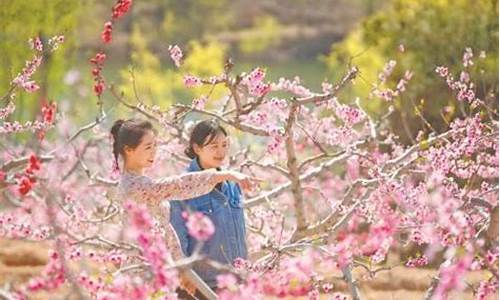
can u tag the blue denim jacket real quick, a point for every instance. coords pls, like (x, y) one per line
(225, 210)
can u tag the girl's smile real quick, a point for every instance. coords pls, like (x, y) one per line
(214, 152)
(143, 155)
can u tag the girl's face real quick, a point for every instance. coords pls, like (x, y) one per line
(143, 155)
(212, 154)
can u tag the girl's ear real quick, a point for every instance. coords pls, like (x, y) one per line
(127, 150)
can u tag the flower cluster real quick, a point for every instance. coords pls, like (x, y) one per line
(463, 86)
(389, 94)
(451, 277)
(121, 7)
(55, 41)
(176, 54)
(293, 86)
(486, 288)
(467, 57)
(26, 180)
(52, 277)
(48, 117)
(294, 280)
(191, 81)
(16, 127)
(417, 261)
(7, 110)
(107, 32)
(199, 226)
(98, 62)
(255, 82)
(349, 114)
(152, 246)
(24, 78)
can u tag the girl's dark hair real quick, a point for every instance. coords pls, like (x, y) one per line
(203, 133)
(128, 133)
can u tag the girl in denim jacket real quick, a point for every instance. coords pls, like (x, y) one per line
(208, 147)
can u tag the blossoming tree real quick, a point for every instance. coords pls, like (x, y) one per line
(341, 192)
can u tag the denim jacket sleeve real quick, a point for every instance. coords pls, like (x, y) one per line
(236, 198)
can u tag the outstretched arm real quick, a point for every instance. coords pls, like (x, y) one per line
(182, 187)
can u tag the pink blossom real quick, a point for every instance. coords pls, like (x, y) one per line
(352, 168)
(442, 71)
(326, 87)
(121, 7)
(464, 77)
(226, 281)
(199, 103)
(175, 54)
(23, 79)
(294, 86)
(7, 110)
(327, 287)
(200, 226)
(417, 261)
(338, 296)
(36, 44)
(191, 81)
(107, 32)
(486, 288)
(255, 84)
(467, 57)
(349, 114)
(55, 42)
(388, 69)
(451, 277)
(30, 86)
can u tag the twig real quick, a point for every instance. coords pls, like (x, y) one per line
(350, 282)
(235, 124)
(318, 98)
(282, 188)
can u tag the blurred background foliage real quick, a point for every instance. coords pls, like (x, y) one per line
(433, 33)
(314, 39)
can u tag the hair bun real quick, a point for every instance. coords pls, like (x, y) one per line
(116, 128)
(190, 152)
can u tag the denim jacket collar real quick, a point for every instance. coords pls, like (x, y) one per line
(194, 166)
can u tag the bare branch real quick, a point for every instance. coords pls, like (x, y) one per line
(415, 148)
(89, 126)
(235, 124)
(347, 271)
(12, 164)
(294, 169)
(274, 167)
(318, 98)
(282, 188)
